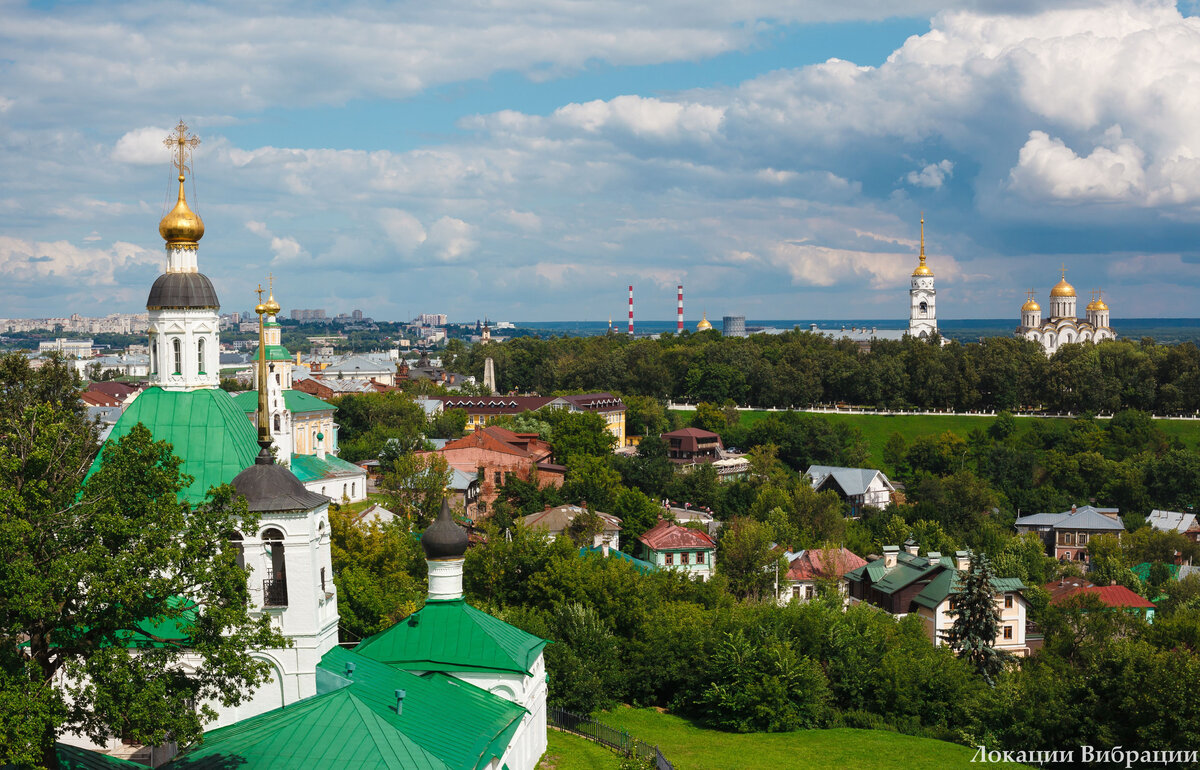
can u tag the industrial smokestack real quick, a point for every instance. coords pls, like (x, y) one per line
(679, 312)
(630, 311)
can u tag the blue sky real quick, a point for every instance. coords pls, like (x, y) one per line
(527, 161)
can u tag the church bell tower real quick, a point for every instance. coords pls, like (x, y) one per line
(922, 314)
(184, 341)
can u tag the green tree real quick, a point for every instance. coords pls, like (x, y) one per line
(745, 557)
(637, 512)
(108, 583)
(578, 433)
(379, 572)
(450, 424)
(591, 480)
(413, 485)
(977, 621)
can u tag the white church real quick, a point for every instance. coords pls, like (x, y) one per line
(1063, 325)
(390, 699)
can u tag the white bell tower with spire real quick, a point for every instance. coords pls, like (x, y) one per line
(184, 326)
(922, 314)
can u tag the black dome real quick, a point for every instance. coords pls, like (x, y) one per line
(444, 539)
(182, 290)
(268, 488)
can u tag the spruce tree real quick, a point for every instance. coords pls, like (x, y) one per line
(977, 620)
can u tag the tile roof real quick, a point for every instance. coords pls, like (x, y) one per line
(823, 563)
(594, 401)
(666, 535)
(496, 404)
(454, 636)
(853, 481)
(206, 428)
(1112, 596)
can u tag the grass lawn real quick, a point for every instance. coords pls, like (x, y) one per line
(570, 752)
(693, 748)
(877, 428)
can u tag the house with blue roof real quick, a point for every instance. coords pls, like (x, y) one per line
(1067, 534)
(860, 487)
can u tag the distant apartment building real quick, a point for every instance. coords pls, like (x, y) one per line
(432, 319)
(306, 314)
(69, 348)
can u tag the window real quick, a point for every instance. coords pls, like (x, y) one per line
(1008, 632)
(235, 541)
(353, 488)
(808, 592)
(322, 578)
(153, 355)
(699, 557)
(795, 592)
(1008, 601)
(277, 380)
(276, 423)
(178, 355)
(275, 585)
(683, 558)
(953, 603)
(670, 558)
(200, 355)
(498, 477)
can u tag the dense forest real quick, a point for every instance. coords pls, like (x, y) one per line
(799, 368)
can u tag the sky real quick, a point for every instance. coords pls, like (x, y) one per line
(527, 161)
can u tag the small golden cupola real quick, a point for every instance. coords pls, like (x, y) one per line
(922, 269)
(181, 227)
(1031, 305)
(1099, 304)
(704, 325)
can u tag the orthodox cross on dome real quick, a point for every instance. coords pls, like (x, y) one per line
(922, 237)
(1063, 270)
(181, 144)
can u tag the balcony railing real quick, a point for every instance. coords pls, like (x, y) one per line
(275, 593)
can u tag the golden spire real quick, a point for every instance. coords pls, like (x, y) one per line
(264, 428)
(181, 226)
(922, 269)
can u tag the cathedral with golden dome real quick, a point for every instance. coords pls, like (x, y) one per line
(1063, 325)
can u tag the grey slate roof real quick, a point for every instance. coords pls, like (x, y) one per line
(1087, 517)
(1171, 521)
(182, 290)
(853, 481)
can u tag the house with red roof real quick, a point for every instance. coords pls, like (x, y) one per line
(1115, 596)
(492, 454)
(667, 545)
(817, 565)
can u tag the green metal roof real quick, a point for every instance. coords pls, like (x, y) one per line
(454, 636)
(75, 758)
(296, 401)
(638, 564)
(274, 353)
(948, 583)
(206, 428)
(1143, 570)
(311, 468)
(340, 729)
(482, 726)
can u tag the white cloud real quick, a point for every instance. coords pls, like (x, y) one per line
(932, 175)
(822, 266)
(451, 238)
(141, 146)
(1047, 168)
(284, 249)
(64, 262)
(404, 231)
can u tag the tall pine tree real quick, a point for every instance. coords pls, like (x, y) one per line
(977, 620)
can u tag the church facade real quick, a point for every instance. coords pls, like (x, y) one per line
(922, 311)
(1063, 326)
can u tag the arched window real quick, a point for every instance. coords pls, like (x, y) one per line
(176, 348)
(200, 355)
(235, 542)
(924, 307)
(153, 355)
(277, 380)
(277, 428)
(275, 584)
(353, 489)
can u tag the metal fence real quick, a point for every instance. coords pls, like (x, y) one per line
(609, 736)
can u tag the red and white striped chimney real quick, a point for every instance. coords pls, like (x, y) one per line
(679, 311)
(631, 311)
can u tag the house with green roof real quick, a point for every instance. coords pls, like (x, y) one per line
(903, 583)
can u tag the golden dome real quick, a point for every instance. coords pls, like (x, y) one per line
(1063, 289)
(704, 325)
(272, 307)
(181, 224)
(1098, 304)
(1031, 305)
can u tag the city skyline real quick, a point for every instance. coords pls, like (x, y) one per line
(528, 166)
